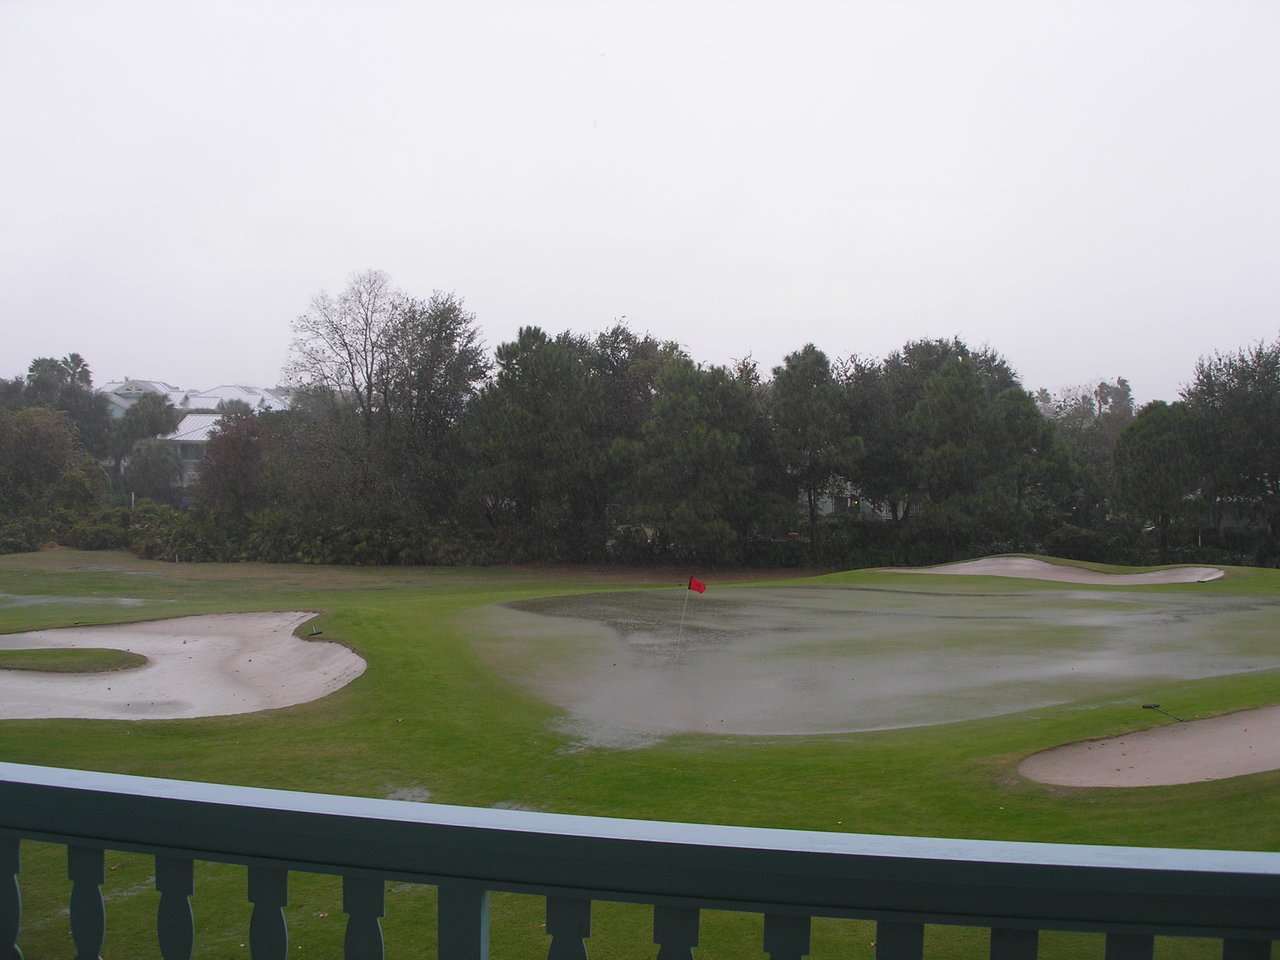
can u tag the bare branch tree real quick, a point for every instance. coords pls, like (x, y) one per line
(341, 344)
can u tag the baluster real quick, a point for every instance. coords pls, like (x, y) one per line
(568, 926)
(175, 924)
(899, 941)
(10, 898)
(675, 931)
(1129, 946)
(1246, 949)
(463, 910)
(1008, 944)
(88, 912)
(786, 937)
(269, 894)
(364, 902)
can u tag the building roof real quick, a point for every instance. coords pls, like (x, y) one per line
(136, 388)
(257, 398)
(122, 394)
(194, 428)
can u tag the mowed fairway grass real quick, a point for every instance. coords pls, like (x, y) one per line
(429, 719)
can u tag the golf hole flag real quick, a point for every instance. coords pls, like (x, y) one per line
(697, 585)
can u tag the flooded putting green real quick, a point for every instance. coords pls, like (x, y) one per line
(835, 659)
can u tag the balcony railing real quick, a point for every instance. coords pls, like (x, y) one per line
(1014, 890)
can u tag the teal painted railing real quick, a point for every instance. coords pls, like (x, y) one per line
(1015, 890)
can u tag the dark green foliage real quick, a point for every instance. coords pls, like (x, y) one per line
(707, 486)
(105, 531)
(1156, 469)
(43, 466)
(814, 435)
(544, 441)
(231, 471)
(1089, 420)
(1076, 543)
(66, 385)
(619, 448)
(1235, 402)
(154, 471)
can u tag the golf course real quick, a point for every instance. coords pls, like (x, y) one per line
(876, 701)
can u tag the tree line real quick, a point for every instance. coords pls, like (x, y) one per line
(407, 442)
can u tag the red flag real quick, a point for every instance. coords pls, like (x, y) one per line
(697, 585)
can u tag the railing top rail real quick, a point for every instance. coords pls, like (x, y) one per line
(1206, 892)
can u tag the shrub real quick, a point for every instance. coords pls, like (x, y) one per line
(1077, 543)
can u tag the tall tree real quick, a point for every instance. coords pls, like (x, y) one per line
(1235, 398)
(433, 366)
(951, 434)
(1033, 473)
(883, 394)
(701, 479)
(536, 449)
(1157, 471)
(67, 385)
(405, 368)
(154, 472)
(815, 437)
(1089, 419)
(43, 464)
(150, 416)
(231, 470)
(341, 343)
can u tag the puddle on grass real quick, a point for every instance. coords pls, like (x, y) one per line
(38, 600)
(821, 660)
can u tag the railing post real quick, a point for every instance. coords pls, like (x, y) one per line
(463, 921)
(568, 926)
(1009, 944)
(175, 925)
(786, 937)
(269, 894)
(88, 913)
(364, 902)
(675, 931)
(899, 941)
(10, 898)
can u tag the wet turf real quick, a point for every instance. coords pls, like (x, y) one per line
(804, 660)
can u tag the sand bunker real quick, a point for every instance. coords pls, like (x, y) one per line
(1029, 568)
(202, 666)
(1231, 745)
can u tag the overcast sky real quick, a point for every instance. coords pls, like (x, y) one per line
(1089, 188)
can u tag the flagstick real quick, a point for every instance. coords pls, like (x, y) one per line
(685, 610)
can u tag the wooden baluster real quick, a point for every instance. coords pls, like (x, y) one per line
(568, 926)
(88, 912)
(269, 894)
(1008, 944)
(463, 932)
(899, 941)
(786, 937)
(1129, 946)
(175, 924)
(10, 898)
(675, 931)
(364, 902)
(1246, 950)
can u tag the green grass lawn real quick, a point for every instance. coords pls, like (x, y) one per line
(96, 660)
(429, 717)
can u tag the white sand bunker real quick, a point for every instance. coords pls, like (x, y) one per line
(1231, 745)
(202, 666)
(1029, 568)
